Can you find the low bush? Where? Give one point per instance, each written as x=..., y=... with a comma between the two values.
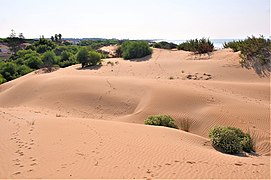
x=164, y=45
x=135, y=49
x=9, y=71
x=253, y=50
x=49, y=59
x=2, y=79
x=98, y=43
x=88, y=57
x=234, y=45
x=161, y=120
x=200, y=46
x=230, y=140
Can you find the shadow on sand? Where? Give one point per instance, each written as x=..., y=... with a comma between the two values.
x=97, y=67
x=241, y=154
x=146, y=58
x=261, y=70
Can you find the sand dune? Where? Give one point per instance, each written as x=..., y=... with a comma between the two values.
x=75, y=123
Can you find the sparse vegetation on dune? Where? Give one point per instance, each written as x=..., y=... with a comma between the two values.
x=88, y=57
x=231, y=140
x=96, y=44
x=161, y=120
x=135, y=49
x=255, y=53
x=164, y=45
x=198, y=46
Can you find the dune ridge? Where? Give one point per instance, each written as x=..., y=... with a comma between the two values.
x=75, y=123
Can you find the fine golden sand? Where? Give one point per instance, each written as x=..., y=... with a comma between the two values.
x=75, y=123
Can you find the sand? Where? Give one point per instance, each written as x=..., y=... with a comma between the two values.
x=75, y=123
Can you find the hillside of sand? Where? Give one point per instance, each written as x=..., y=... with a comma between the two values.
x=89, y=123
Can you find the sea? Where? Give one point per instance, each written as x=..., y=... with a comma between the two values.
x=218, y=43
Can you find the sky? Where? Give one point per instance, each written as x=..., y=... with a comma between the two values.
x=136, y=19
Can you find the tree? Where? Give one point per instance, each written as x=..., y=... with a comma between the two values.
x=21, y=36
x=49, y=59
x=44, y=45
x=82, y=56
x=60, y=38
x=14, y=42
x=56, y=38
x=13, y=34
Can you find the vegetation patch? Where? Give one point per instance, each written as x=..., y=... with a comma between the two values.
x=164, y=45
x=185, y=124
x=255, y=53
x=96, y=44
x=231, y=140
x=42, y=53
x=161, y=120
x=135, y=49
x=198, y=46
x=88, y=57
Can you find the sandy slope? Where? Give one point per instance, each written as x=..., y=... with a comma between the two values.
x=75, y=123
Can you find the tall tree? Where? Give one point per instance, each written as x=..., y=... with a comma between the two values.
x=56, y=38
x=14, y=42
x=12, y=34
x=21, y=36
x=60, y=37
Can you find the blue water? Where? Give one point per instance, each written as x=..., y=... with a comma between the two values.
x=218, y=43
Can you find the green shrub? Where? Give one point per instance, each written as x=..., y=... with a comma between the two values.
x=200, y=46
x=43, y=45
x=2, y=79
x=164, y=45
x=253, y=50
x=246, y=143
x=96, y=44
x=256, y=50
x=88, y=58
x=49, y=59
x=82, y=56
x=135, y=49
x=234, y=45
x=161, y=120
x=94, y=58
x=230, y=140
x=23, y=70
x=9, y=71
x=34, y=62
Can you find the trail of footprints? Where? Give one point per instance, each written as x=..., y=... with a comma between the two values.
x=94, y=152
x=23, y=161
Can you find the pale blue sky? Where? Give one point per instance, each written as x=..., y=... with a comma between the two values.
x=136, y=19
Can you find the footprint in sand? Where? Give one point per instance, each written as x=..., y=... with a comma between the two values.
x=238, y=164
x=33, y=164
x=16, y=173
x=190, y=162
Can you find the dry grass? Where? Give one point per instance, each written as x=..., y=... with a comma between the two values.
x=185, y=124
